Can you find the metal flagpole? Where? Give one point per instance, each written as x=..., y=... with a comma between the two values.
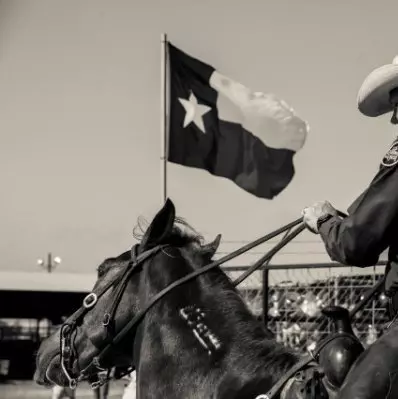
x=163, y=117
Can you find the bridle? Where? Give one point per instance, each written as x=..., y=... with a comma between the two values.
x=66, y=344
x=94, y=368
x=135, y=264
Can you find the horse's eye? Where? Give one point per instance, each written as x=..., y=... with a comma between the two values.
x=101, y=270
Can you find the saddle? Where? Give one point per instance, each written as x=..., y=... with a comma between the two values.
x=333, y=358
x=338, y=352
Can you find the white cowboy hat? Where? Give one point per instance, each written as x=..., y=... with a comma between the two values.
x=374, y=94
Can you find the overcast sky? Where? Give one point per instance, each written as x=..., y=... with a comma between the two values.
x=80, y=119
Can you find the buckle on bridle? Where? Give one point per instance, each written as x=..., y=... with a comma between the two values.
x=66, y=355
x=73, y=383
x=106, y=320
x=90, y=300
x=101, y=381
x=65, y=363
x=96, y=384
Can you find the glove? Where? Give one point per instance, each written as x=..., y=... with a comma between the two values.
x=313, y=213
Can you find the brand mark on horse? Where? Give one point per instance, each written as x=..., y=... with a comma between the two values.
x=195, y=318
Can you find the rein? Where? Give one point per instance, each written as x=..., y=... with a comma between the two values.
x=66, y=345
x=140, y=315
x=121, y=281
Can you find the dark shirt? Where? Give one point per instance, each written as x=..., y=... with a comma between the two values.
x=372, y=224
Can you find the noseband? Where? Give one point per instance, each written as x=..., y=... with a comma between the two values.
x=67, y=350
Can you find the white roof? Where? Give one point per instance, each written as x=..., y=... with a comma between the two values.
x=41, y=281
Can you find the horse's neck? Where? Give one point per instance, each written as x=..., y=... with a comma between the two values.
x=196, y=349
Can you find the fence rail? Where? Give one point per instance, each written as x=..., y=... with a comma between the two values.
x=289, y=300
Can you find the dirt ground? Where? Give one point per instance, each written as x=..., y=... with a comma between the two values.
x=28, y=389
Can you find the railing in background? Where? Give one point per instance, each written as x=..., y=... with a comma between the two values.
x=289, y=299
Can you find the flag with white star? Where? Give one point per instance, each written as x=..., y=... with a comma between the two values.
x=219, y=125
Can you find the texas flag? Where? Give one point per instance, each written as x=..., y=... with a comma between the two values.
x=219, y=125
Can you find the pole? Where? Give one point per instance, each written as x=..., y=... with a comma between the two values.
x=265, y=296
x=266, y=286
x=368, y=296
x=163, y=116
x=49, y=262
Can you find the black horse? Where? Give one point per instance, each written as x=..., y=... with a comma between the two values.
x=197, y=341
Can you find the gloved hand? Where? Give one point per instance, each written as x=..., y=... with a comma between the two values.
x=312, y=213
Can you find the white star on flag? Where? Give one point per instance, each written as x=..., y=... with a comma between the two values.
x=194, y=111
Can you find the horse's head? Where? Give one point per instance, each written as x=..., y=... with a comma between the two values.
x=80, y=348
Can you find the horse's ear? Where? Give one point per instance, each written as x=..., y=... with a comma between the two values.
x=160, y=226
x=211, y=248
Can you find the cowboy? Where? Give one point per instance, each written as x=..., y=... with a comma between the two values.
x=358, y=240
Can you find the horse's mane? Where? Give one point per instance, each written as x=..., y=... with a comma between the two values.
x=181, y=234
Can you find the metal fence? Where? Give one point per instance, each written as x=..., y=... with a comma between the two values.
x=289, y=299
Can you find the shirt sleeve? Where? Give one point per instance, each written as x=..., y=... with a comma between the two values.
x=360, y=238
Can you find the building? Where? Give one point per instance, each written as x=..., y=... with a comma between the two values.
x=32, y=303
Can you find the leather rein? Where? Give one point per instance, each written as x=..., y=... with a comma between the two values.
x=135, y=264
x=67, y=351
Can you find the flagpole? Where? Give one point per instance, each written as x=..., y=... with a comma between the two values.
x=163, y=116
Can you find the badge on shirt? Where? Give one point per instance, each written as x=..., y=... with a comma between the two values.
x=391, y=158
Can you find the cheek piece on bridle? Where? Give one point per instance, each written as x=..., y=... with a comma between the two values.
x=67, y=350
